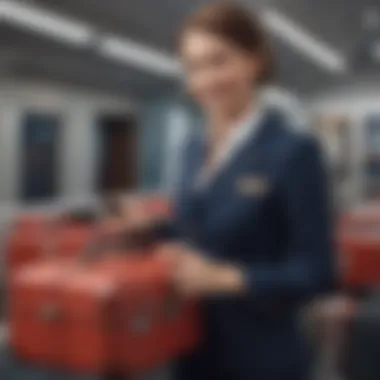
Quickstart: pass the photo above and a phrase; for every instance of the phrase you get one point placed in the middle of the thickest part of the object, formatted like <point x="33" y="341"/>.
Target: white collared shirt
<point x="235" y="139"/>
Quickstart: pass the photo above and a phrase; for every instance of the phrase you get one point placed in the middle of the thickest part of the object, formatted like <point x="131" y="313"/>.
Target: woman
<point x="251" y="220"/>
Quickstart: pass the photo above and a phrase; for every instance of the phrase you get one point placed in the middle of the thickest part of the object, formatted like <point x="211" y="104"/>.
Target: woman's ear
<point x="266" y="63"/>
<point x="257" y="68"/>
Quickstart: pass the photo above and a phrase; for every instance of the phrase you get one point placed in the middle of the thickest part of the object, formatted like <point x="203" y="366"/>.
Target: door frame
<point x="131" y="121"/>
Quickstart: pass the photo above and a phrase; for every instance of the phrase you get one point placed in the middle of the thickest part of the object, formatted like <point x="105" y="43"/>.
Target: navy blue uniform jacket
<point x="268" y="211"/>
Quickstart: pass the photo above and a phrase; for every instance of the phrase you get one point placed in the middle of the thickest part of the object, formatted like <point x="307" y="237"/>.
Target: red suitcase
<point x="38" y="325"/>
<point x="171" y="325"/>
<point x="360" y="259"/>
<point x="43" y="261"/>
<point x="124" y="317"/>
<point x="25" y="221"/>
<point x="34" y="292"/>
<point x="362" y="216"/>
<point x="23" y="245"/>
<point x="73" y="238"/>
<point x="358" y="237"/>
<point x="113" y="314"/>
<point x="30" y="234"/>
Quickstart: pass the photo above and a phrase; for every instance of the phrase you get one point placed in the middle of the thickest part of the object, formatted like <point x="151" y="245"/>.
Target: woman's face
<point x="220" y="76"/>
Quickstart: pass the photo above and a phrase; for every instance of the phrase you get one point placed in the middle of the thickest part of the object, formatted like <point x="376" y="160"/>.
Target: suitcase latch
<point x="50" y="312"/>
<point x="141" y="323"/>
<point x="172" y="307"/>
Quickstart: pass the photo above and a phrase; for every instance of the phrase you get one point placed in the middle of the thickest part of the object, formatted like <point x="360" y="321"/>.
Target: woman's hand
<point x="134" y="213"/>
<point x="131" y="217"/>
<point x="195" y="275"/>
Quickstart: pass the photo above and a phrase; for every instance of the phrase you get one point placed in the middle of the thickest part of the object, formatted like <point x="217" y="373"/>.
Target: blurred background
<point x="91" y="97"/>
<point x="86" y="84"/>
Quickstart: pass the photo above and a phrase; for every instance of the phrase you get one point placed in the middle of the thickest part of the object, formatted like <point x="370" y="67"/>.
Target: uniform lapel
<point x="252" y="151"/>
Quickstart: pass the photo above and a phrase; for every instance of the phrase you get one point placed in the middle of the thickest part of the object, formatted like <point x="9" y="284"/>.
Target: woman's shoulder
<point x="291" y="141"/>
<point x="290" y="135"/>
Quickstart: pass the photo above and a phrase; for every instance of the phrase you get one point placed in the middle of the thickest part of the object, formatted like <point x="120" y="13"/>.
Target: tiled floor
<point x="12" y="369"/>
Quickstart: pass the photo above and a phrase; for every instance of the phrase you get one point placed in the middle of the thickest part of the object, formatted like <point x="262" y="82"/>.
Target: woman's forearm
<point x="150" y="233"/>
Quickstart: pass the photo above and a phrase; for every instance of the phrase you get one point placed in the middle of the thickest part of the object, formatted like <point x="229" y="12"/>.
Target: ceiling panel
<point x="26" y="55"/>
<point x="151" y="22"/>
<point x="338" y="23"/>
<point x="295" y="72"/>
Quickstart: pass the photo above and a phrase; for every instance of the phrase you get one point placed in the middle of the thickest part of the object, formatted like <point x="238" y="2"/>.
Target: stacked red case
<point x="358" y="238"/>
<point x="118" y="313"/>
<point x="33" y="235"/>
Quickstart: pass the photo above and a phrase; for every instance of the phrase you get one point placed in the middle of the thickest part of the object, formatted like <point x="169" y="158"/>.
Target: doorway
<point x="117" y="169"/>
<point x="40" y="137"/>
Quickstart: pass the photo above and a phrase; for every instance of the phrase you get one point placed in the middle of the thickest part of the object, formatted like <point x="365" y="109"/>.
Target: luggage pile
<point x="89" y="306"/>
<point x="348" y="323"/>
<point x="33" y="234"/>
<point x="359" y="248"/>
<point x="358" y="238"/>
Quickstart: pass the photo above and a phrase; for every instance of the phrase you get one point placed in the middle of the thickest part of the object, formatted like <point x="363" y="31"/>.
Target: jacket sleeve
<point x="308" y="266"/>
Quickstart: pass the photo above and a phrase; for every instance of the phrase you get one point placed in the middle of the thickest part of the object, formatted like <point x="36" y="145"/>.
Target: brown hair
<point x="237" y="26"/>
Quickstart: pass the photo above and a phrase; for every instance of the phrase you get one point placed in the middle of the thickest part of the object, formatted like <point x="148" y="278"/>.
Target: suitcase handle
<point x="112" y="206"/>
<point x="172" y="306"/>
<point x="98" y="244"/>
<point x="142" y="321"/>
<point x="51" y="235"/>
<point x="50" y="232"/>
<point x="138" y="238"/>
<point x="95" y="248"/>
<point x="50" y="312"/>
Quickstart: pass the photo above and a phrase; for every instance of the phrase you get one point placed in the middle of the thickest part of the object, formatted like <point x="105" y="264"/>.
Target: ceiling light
<point x="140" y="56"/>
<point x="47" y="23"/>
<point x="376" y="51"/>
<point x="301" y="40"/>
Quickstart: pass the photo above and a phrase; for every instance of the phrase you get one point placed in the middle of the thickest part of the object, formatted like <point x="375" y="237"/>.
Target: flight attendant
<point x="251" y="221"/>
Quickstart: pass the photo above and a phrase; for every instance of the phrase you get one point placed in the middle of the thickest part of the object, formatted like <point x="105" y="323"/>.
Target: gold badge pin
<point x="252" y="186"/>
